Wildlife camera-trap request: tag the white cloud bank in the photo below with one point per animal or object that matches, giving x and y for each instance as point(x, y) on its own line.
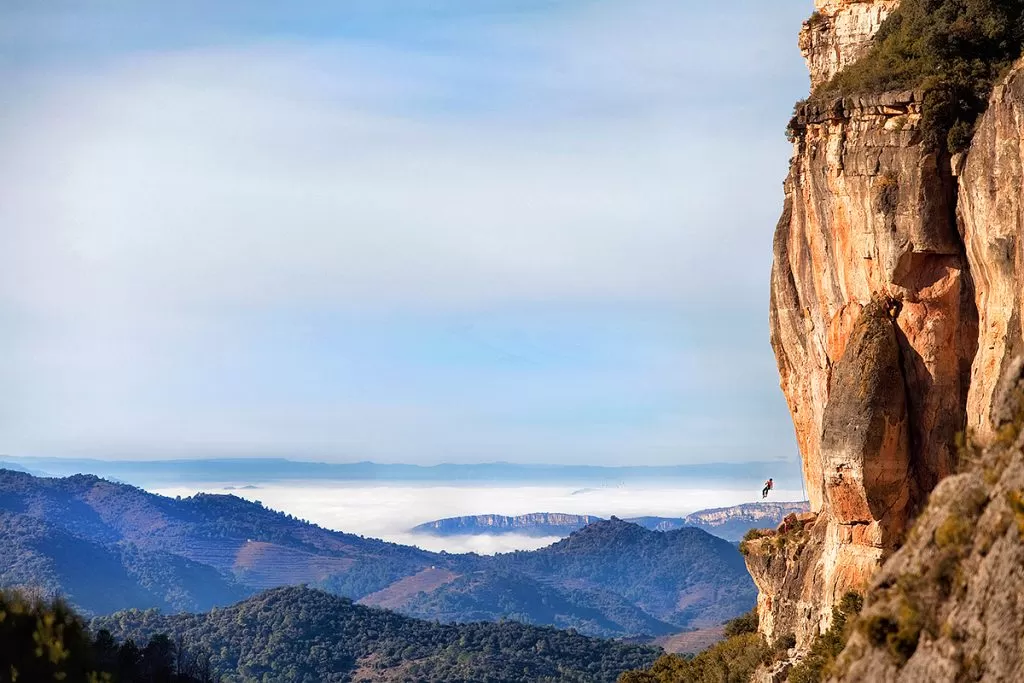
point(389, 512)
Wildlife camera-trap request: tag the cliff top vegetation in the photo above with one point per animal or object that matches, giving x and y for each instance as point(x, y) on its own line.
point(952, 50)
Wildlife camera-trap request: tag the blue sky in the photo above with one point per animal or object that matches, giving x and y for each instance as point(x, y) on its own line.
point(397, 231)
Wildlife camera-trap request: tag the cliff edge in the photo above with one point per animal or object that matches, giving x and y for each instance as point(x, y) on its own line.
point(896, 300)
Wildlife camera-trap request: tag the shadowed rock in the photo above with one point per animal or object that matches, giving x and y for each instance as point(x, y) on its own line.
point(865, 436)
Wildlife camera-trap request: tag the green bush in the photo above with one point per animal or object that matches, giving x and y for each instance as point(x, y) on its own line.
point(785, 642)
point(753, 535)
point(952, 50)
point(899, 634)
point(44, 640)
point(955, 531)
point(746, 623)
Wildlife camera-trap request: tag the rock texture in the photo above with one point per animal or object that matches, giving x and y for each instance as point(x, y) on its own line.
point(895, 303)
point(991, 213)
point(870, 292)
point(839, 32)
point(949, 605)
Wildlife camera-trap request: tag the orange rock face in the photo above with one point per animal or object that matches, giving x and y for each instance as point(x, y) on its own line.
point(874, 322)
point(991, 215)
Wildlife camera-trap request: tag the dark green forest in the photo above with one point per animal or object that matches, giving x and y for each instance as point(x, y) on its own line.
point(43, 640)
point(731, 661)
point(302, 634)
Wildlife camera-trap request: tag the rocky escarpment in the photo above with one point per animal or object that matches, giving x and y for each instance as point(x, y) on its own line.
point(839, 33)
point(991, 216)
point(896, 297)
point(948, 606)
point(874, 326)
point(730, 523)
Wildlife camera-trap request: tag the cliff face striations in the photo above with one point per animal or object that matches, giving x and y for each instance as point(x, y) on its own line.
point(839, 32)
point(991, 216)
point(895, 304)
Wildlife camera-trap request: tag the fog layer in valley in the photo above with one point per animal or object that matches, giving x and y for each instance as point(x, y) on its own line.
point(389, 512)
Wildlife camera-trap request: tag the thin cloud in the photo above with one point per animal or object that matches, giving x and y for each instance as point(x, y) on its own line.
point(170, 215)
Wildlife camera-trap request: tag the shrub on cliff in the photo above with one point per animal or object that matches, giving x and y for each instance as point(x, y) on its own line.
point(953, 50)
point(746, 623)
point(753, 535)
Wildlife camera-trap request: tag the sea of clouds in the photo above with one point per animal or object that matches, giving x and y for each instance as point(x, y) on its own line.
point(390, 511)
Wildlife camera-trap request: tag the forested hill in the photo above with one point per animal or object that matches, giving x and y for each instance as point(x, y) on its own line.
point(610, 578)
point(174, 554)
point(109, 546)
point(649, 569)
point(300, 634)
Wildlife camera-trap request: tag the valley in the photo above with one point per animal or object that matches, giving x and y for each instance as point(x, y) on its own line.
point(611, 578)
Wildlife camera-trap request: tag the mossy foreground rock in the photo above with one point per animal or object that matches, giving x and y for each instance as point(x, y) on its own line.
point(948, 607)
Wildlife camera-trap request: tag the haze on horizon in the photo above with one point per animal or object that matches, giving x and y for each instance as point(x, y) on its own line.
point(397, 231)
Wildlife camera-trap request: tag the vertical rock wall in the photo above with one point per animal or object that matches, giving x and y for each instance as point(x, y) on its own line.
point(839, 32)
point(991, 214)
point(873, 323)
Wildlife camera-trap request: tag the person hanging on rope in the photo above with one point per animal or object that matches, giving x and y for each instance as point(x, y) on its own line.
point(768, 486)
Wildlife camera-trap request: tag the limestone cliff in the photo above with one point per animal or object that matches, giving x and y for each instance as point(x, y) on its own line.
point(948, 607)
point(896, 294)
point(839, 32)
point(991, 215)
point(536, 524)
point(873, 323)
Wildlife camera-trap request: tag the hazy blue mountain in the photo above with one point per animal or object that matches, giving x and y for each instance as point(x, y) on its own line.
point(300, 634)
point(730, 523)
point(145, 550)
point(7, 465)
point(536, 524)
point(216, 549)
point(100, 577)
point(495, 595)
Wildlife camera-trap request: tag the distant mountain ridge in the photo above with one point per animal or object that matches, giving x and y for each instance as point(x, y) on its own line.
point(109, 546)
point(730, 523)
point(733, 522)
point(534, 524)
point(260, 470)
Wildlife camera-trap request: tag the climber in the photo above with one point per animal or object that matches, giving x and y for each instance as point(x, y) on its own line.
point(768, 486)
